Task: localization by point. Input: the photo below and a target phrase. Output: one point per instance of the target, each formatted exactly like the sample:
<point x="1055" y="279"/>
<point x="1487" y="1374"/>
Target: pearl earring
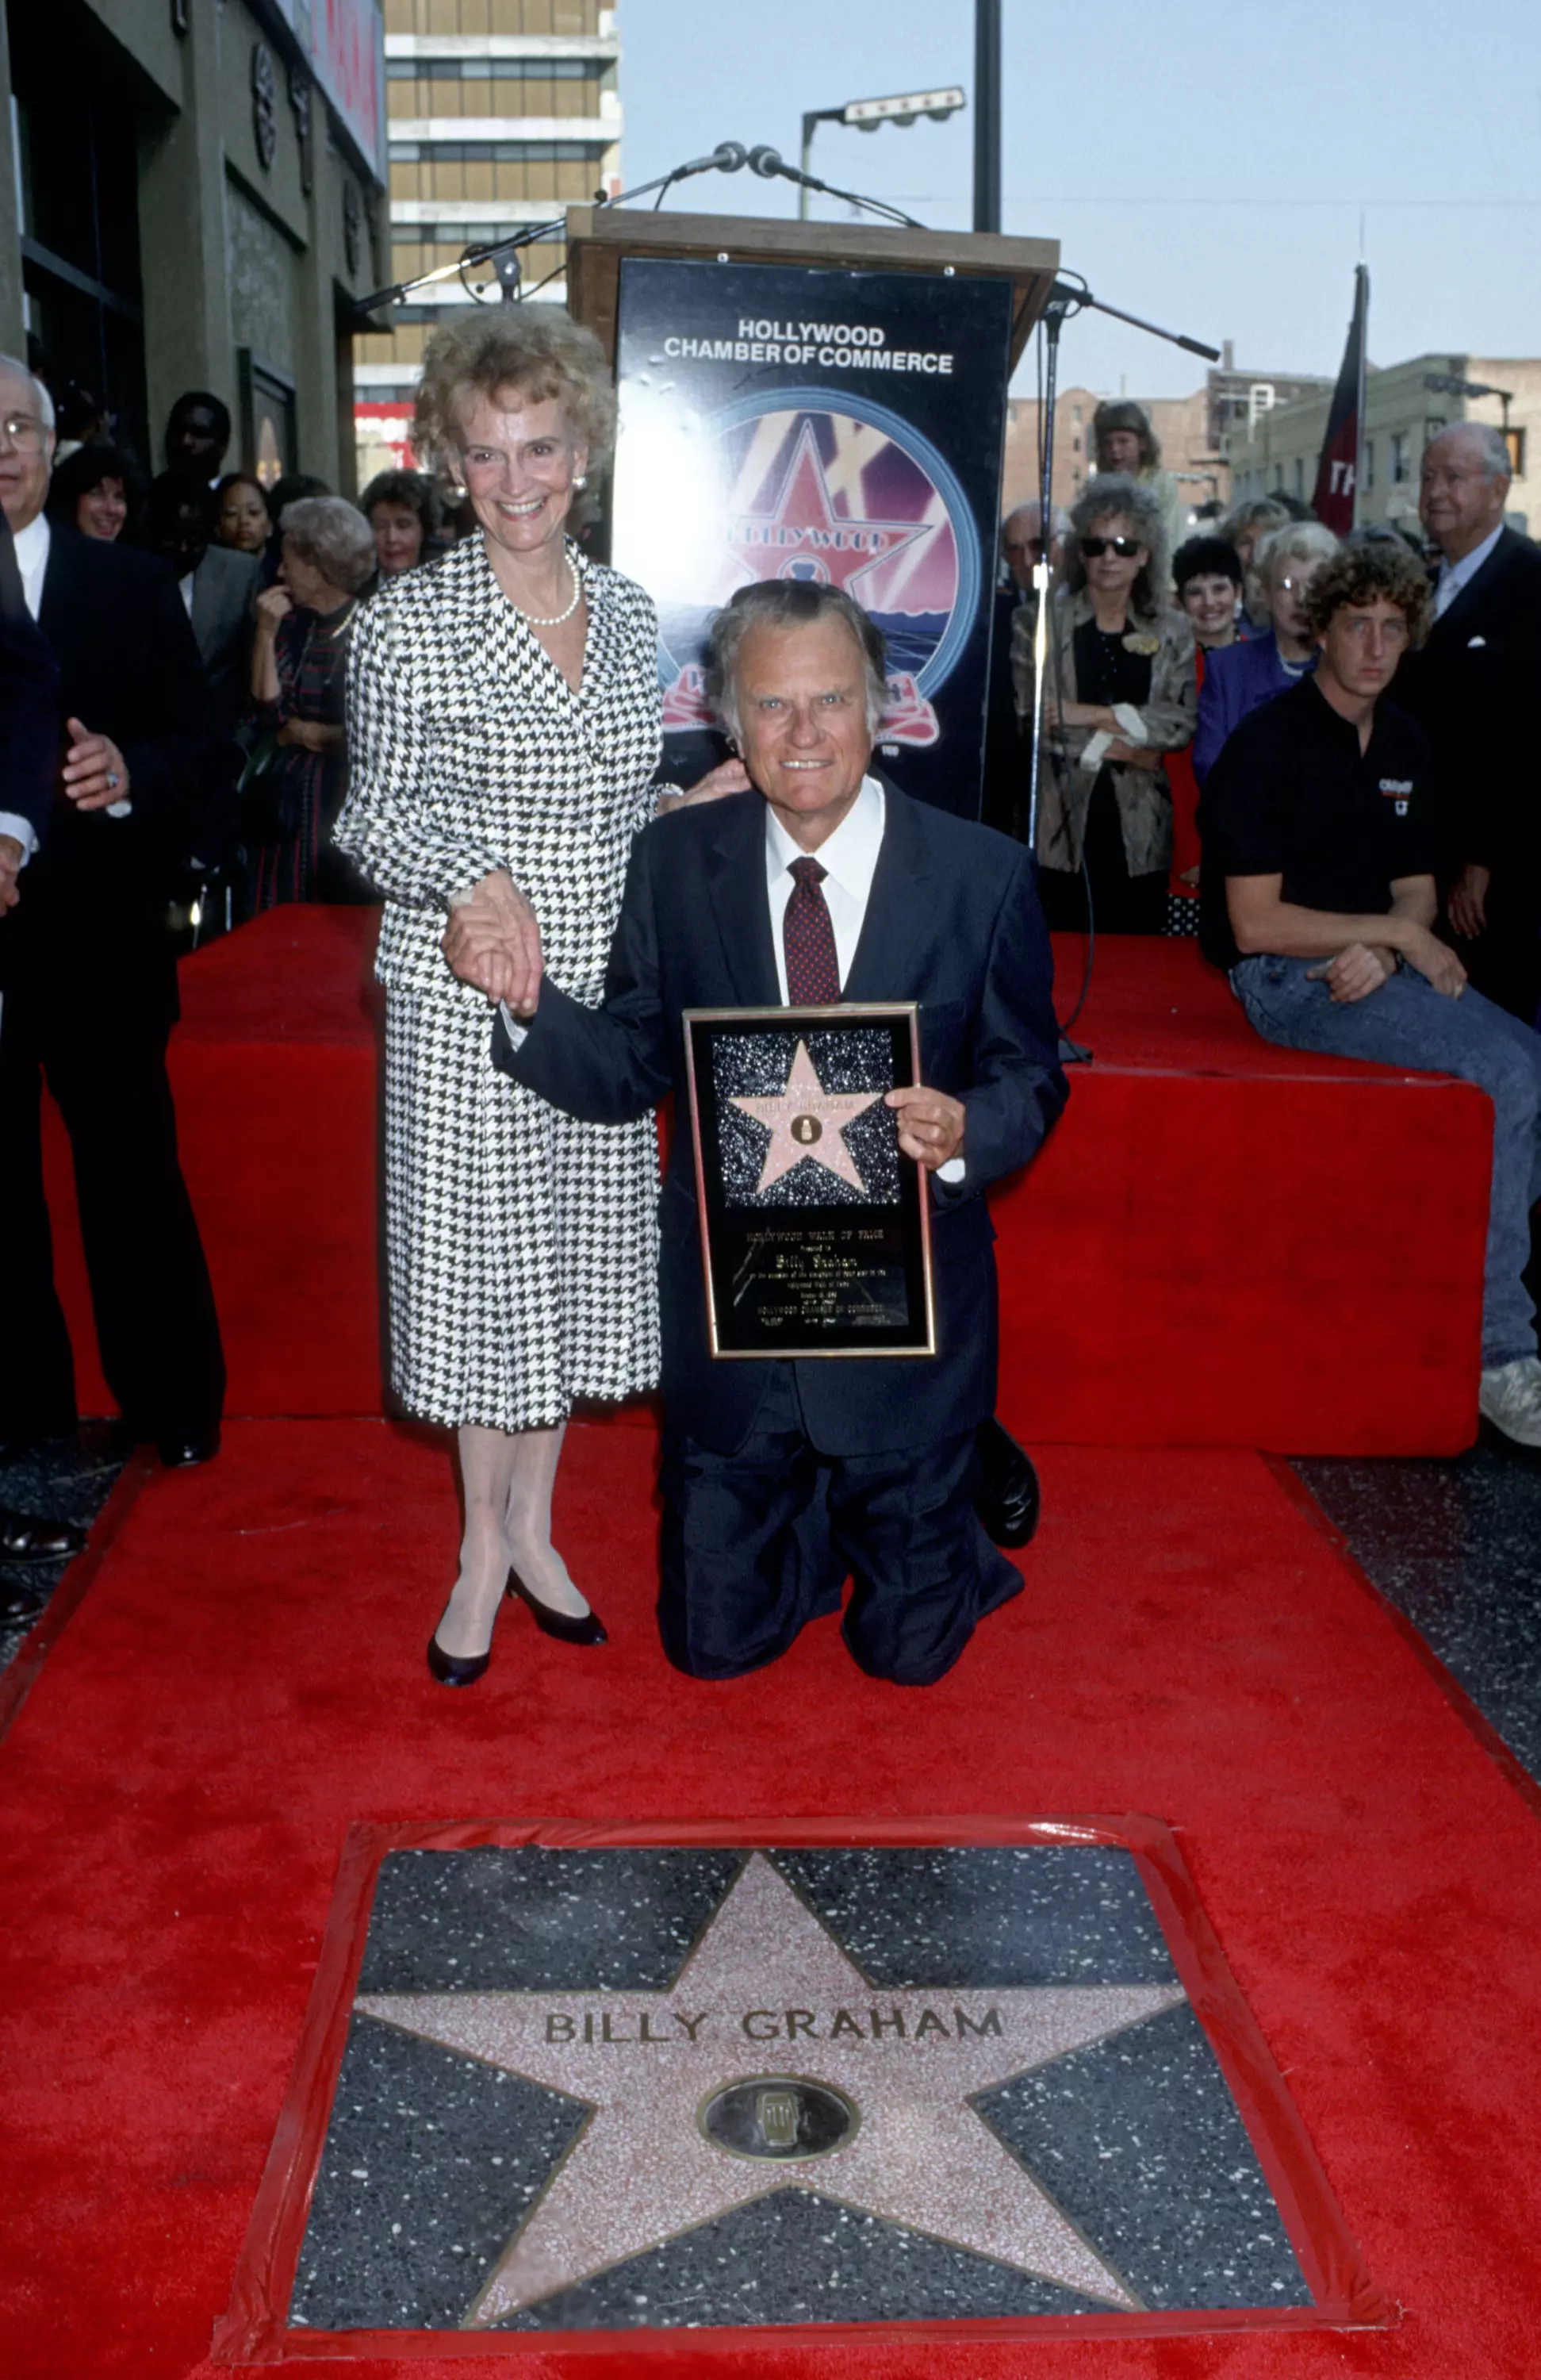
<point x="580" y="479"/>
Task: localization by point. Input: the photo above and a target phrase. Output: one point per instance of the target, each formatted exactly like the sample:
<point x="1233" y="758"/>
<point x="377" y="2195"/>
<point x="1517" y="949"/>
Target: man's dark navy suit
<point x="953" y="922"/>
<point x="1472" y="690"/>
<point x="89" y="975"/>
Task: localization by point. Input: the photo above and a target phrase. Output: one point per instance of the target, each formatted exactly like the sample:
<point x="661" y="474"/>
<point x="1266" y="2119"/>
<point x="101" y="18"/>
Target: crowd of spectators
<point x="1314" y="754"/>
<point x="270" y="583"/>
<point x="1162" y="649"/>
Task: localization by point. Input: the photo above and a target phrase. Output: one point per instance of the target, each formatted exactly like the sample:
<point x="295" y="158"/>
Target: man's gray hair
<point x="1059" y="520"/>
<point x="25" y="371"/>
<point x="1492" y="446"/>
<point x="333" y="537"/>
<point x="790" y="603"/>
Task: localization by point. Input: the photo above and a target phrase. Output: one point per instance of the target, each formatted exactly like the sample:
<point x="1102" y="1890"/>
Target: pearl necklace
<point x="533" y="620"/>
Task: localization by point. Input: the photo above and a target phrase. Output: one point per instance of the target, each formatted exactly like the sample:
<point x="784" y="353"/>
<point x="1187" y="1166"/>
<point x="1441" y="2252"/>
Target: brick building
<point x="1196" y="433"/>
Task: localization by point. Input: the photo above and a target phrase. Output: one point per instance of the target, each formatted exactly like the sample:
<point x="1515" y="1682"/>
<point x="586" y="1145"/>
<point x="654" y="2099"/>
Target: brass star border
<point x="255" y="2330"/>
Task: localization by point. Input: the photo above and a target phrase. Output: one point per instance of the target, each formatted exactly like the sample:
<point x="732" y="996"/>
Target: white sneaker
<point x="1509" y="1397"/>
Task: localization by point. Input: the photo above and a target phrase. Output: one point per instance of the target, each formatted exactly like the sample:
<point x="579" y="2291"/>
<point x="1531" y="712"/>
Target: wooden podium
<point x="598" y="237"/>
<point x="824" y="402"/>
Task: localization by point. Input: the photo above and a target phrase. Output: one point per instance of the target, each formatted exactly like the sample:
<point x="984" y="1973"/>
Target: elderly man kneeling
<point x="780" y="1478"/>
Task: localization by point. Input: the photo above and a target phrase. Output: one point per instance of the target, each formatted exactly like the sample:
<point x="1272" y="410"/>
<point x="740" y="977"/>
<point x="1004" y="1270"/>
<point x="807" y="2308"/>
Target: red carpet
<point x="1185" y="1266"/>
<point x="245" y="1678"/>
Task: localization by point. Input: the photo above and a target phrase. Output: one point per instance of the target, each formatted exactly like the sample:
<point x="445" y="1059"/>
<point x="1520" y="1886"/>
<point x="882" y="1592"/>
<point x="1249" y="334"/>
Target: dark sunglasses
<point x="1094" y="548"/>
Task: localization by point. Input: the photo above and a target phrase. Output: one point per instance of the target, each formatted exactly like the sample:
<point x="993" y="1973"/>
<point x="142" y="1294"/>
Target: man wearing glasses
<point x="88" y="976"/>
<point x="1317" y="896"/>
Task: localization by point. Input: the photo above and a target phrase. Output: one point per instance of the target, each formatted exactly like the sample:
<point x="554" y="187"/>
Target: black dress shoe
<point x="451" y="1670"/>
<point x="1006" y="1490"/>
<point x="566" y="1626"/>
<point x="27" y="1537"/>
<point x="182" y="1449"/>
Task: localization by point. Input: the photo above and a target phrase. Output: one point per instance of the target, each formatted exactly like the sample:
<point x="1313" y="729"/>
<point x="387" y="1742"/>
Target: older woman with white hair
<point x="505" y="727"/>
<point x="1242" y="675"/>
<point x="1120" y="696"/>
<point x="299" y="653"/>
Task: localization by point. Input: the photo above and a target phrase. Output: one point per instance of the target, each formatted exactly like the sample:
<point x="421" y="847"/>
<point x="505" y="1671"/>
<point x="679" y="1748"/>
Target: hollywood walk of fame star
<point x="802" y="535"/>
<point x="807" y="1121"/>
<point x="767" y="1993"/>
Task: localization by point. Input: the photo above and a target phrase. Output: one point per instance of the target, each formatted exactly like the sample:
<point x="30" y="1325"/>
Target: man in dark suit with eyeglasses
<point x="88" y="974"/>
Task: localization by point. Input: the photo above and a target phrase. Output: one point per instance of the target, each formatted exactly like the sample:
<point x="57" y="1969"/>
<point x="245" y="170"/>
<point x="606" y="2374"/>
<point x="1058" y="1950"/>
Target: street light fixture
<point x="1448" y="384"/>
<point x="867" y="114"/>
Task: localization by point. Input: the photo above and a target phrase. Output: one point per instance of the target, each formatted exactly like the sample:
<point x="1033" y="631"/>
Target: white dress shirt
<point x="32" y="559"/>
<point x="1454" y="576"/>
<point x="849" y="859"/>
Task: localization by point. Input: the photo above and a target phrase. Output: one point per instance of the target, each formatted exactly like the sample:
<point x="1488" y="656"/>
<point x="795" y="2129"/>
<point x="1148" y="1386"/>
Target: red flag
<point x="1335" y="502"/>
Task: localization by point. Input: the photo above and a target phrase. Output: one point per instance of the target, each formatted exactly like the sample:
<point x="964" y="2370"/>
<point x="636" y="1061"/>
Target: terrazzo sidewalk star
<point x="804" y="1120"/>
<point x="671" y="2076"/>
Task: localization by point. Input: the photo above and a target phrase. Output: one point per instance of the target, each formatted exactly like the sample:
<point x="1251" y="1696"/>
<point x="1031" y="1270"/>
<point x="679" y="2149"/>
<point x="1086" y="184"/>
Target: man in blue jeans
<point x="1318" y="899"/>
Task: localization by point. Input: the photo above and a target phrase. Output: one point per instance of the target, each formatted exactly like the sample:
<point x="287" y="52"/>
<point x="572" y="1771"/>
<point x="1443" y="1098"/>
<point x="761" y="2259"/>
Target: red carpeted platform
<point x="1223" y="1243"/>
<point x="245" y="1680"/>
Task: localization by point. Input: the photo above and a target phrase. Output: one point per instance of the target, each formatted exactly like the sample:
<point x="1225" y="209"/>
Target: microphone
<point x="766" y="160"/>
<point x="726" y="158"/>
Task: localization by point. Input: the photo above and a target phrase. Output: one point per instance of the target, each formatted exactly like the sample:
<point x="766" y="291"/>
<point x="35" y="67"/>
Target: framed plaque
<point x="815" y="1225"/>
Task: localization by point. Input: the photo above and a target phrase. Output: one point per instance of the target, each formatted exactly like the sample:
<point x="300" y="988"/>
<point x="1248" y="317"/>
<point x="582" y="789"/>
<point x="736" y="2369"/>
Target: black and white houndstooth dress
<point x="522" y="1243"/>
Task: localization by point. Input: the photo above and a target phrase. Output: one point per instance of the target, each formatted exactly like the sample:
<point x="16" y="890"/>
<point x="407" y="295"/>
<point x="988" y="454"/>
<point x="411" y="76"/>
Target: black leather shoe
<point x="179" y="1451"/>
<point x="27" y="1537"/>
<point x="563" y="1625"/>
<point x="1006" y="1490"/>
<point x="450" y="1669"/>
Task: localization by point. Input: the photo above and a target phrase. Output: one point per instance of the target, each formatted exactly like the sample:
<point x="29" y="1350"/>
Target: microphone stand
<point x="1065" y="298"/>
<point x="504" y="254"/>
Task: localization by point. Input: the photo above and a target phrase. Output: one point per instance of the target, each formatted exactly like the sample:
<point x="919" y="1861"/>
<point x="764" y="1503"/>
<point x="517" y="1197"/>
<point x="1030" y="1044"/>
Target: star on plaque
<point x="807" y="1121"/>
<point x="772" y="2064"/>
<point x="803" y="536"/>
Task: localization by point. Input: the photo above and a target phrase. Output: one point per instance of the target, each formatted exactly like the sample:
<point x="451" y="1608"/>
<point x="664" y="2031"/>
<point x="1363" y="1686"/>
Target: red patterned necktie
<point x="807" y="937"/>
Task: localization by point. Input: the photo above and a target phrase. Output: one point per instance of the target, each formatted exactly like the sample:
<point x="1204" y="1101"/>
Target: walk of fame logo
<point x="876" y="2098"/>
<point x="801" y="1118"/>
<point x="847" y="496"/>
<point x="805" y="1121"/>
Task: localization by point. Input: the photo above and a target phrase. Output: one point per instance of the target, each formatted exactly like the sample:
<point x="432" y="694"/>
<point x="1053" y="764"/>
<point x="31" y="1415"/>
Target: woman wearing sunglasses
<point x="1120" y="694"/>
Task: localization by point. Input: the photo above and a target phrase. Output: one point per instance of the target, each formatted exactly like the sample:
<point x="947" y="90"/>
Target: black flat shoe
<point x="1005" y="1487"/>
<point x="562" y="1625"/>
<point x="450" y="1669"/>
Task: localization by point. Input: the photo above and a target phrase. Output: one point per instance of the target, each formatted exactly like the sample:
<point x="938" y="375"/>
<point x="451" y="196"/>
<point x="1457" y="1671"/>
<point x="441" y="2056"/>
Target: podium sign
<point x="845" y="428"/>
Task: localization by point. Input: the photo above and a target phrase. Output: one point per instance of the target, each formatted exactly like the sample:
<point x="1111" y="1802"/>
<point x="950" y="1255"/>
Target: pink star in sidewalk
<point x="807" y="1121"/>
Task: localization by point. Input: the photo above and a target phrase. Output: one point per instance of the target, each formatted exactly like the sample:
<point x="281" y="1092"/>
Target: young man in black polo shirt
<point x="1318" y="898"/>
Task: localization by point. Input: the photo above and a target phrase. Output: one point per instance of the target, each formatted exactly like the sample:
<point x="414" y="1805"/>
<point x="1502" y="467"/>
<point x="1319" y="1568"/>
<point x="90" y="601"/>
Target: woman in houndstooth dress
<point x="504" y="727"/>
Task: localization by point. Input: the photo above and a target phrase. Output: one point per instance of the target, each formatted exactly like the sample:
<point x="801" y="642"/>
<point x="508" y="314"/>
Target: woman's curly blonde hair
<point x="532" y="352"/>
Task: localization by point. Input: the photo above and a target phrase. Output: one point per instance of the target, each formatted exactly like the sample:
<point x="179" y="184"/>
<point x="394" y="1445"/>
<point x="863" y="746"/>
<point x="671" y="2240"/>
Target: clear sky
<point x="1206" y="166"/>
